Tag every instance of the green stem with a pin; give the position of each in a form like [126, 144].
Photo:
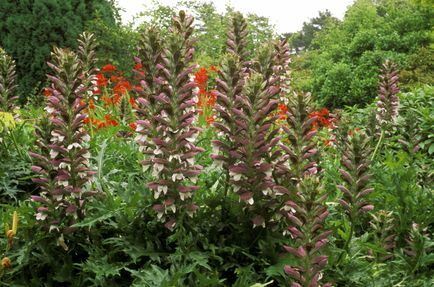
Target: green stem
[378, 145]
[347, 242]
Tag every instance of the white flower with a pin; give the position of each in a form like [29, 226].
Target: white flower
[65, 183]
[266, 191]
[183, 195]
[177, 176]
[73, 145]
[86, 138]
[57, 138]
[140, 128]
[157, 169]
[64, 165]
[49, 110]
[40, 216]
[53, 153]
[235, 176]
[193, 179]
[191, 160]
[162, 188]
[250, 201]
[192, 138]
[176, 156]
[158, 151]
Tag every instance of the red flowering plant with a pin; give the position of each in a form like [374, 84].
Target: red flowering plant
[325, 121]
[112, 104]
[205, 83]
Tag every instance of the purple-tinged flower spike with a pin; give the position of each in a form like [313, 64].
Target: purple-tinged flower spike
[170, 151]
[63, 170]
[7, 82]
[383, 226]
[355, 173]
[306, 219]
[87, 56]
[236, 42]
[251, 174]
[281, 62]
[229, 87]
[297, 141]
[388, 101]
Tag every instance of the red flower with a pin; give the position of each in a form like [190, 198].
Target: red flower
[283, 109]
[101, 81]
[86, 121]
[115, 79]
[133, 126]
[47, 92]
[138, 66]
[213, 68]
[114, 123]
[107, 117]
[122, 87]
[109, 68]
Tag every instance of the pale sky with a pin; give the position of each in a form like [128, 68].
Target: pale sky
[286, 15]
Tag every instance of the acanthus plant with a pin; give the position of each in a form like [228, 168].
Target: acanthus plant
[62, 163]
[307, 216]
[355, 173]
[8, 85]
[388, 101]
[246, 105]
[166, 131]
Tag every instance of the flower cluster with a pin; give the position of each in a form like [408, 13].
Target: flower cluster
[207, 96]
[111, 103]
[388, 101]
[165, 127]
[62, 164]
[307, 216]
[7, 82]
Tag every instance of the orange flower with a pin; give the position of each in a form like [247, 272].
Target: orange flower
[213, 68]
[138, 66]
[101, 80]
[114, 123]
[91, 104]
[283, 109]
[109, 68]
[47, 92]
[116, 99]
[209, 120]
[122, 87]
[107, 117]
[86, 121]
[133, 126]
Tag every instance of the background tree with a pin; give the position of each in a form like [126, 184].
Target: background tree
[30, 28]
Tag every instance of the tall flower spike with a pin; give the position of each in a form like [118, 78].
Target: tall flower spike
[297, 140]
[251, 174]
[87, 57]
[307, 218]
[237, 38]
[7, 82]
[388, 101]
[355, 173]
[171, 151]
[281, 62]
[230, 83]
[64, 172]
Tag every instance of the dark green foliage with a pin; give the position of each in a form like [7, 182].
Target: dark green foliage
[346, 56]
[30, 28]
